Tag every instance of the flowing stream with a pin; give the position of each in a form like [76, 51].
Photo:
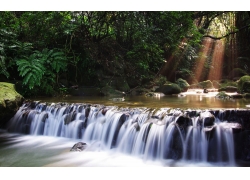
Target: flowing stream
[42, 134]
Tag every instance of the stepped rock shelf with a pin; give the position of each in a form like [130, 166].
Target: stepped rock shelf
[210, 136]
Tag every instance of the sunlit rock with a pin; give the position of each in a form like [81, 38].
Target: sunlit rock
[10, 101]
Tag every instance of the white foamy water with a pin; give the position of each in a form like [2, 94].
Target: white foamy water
[44, 151]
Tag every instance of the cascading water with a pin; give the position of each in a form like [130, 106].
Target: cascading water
[155, 135]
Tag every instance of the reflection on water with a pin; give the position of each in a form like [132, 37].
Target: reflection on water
[199, 101]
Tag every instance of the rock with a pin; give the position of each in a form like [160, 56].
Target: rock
[205, 91]
[203, 84]
[139, 91]
[207, 119]
[80, 146]
[183, 84]
[183, 121]
[222, 95]
[216, 84]
[10, 101]
[246, 87]
[169, 89]
[236, 96]
[243, 87]
[206, 84]
[228, 89]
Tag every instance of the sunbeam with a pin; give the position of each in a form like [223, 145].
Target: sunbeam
[204, 52]
[215, 72]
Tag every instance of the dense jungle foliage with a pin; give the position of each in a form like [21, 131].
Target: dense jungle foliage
[47, 52]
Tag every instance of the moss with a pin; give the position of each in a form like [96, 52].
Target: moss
[206, 84]
[171, 88]
[10, 101]
[203, 84]
[227, 82]
[216, 84]
[228, 89]
[8, 92]
[222, 95]
[183, 84]
[242, 85]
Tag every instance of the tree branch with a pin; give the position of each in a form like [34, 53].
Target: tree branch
[234, 32]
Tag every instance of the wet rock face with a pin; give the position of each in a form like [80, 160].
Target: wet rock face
[80, 146]
[207, 119]
[10, 101]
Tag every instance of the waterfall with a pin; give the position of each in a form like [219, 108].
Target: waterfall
[189, 135]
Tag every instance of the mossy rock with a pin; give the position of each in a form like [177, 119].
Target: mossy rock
[216, 84]
[227, 82]
[203, 84]
[8, 93]
[183, 84]
[139, 91]
[169, 89]
[228, 89]
[160, 80]
[222, 95]
[206, 84]
[237, 96]
[244, 87]
[10, 101]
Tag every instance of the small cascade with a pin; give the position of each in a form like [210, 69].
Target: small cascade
[158, 135]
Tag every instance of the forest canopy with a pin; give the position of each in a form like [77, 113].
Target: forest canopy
[45, 51]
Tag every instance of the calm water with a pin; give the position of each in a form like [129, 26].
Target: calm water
[190, 100]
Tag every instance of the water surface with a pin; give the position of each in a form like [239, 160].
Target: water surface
[191, 99]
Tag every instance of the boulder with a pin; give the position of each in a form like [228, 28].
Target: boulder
[202, 85]
[237, 96]
[243, 87]
[222, 95]
[10, 101]
[183, 84]
[169, 89]
[216, 84]
[228, 89]
[207, 119]
[246, 87]
[206, 84]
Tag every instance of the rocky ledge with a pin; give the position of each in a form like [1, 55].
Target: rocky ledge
[10, 101]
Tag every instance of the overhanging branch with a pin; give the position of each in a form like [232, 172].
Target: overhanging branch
[221, 37]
